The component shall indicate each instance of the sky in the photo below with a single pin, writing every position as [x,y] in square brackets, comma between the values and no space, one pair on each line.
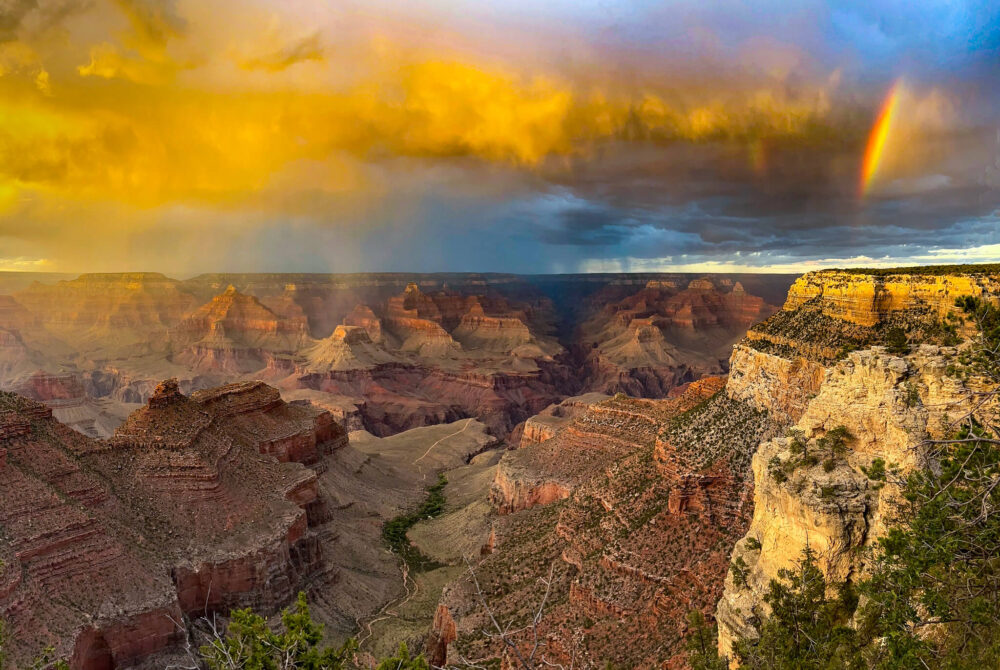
[188,136]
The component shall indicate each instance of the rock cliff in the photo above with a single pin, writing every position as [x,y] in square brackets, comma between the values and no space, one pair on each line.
[186,510]
[867,300]
[498,347]
[663,336]
[889,403]
[599,501]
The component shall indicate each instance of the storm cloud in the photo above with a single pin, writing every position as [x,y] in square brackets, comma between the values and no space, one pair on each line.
[528,137]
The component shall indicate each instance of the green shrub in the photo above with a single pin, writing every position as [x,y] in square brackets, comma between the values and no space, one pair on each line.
[403,661]
[703,654]
[876,471]
[896,342]
[807,629]
[250,644]
[394,531]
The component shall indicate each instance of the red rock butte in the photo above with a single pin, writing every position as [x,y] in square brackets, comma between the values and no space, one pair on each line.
[195,505]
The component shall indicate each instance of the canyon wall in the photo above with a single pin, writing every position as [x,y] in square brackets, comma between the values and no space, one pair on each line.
[498,347]
[633,505]
[867,300]
[190,508]
[889,403]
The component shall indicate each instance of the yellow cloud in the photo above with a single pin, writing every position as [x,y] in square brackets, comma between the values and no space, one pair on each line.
[166,143]
[145,59]
[16,56]
[42,82]
[153,26]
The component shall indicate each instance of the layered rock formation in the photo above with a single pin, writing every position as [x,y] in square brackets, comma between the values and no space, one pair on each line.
[889,403]
[547,423]
[234,333]
[108,544]
[486,344]
[867,300]
[109,311]
[634,504]
[664,336]
[72,406]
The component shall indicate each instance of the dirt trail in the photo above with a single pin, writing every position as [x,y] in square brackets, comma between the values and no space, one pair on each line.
[457,432]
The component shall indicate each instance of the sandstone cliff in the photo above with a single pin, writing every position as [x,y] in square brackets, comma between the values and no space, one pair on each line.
[867,300]
[889,403]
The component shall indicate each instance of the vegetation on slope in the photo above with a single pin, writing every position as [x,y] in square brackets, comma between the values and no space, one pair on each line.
[44,661]
[807,332]
[719,424]
[932,598]
[394,531]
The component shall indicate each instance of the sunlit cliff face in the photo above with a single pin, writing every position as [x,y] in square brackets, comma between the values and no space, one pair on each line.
[195,136]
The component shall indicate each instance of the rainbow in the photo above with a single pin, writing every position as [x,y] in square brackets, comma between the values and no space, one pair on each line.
[878,136]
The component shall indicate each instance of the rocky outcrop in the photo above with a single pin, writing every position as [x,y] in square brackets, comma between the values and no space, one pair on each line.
[546,424]
[513,491]
[890,404]
[186,510]
[66,395]
[363,317]
[635,504]
[779,385]
[662,337]
[443,633]
[502,333]
[236,334]
[867,300]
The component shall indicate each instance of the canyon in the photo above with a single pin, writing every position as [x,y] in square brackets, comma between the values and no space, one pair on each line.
[386,352]
[623,514]
[170,450]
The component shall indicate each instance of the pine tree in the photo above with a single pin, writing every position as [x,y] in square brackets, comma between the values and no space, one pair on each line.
[703,652]
[249,644]
[807,629]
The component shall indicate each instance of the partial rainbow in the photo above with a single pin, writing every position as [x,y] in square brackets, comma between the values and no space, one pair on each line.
[878,136]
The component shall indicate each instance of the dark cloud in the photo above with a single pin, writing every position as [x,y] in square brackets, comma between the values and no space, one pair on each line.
[308,48]
[154,22]
[27,18]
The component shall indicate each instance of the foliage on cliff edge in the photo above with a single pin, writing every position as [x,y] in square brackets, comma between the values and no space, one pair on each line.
[932,599]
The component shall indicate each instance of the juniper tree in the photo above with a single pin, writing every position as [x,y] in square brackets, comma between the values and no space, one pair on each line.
[703,652]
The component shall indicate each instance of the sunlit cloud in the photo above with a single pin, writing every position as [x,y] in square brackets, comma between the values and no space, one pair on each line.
[696,122]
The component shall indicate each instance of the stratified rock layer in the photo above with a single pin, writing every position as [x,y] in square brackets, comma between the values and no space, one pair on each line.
[634,504]
[891,404]
[185,511]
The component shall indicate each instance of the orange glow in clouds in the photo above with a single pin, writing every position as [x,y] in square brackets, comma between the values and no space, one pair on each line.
[879,134]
